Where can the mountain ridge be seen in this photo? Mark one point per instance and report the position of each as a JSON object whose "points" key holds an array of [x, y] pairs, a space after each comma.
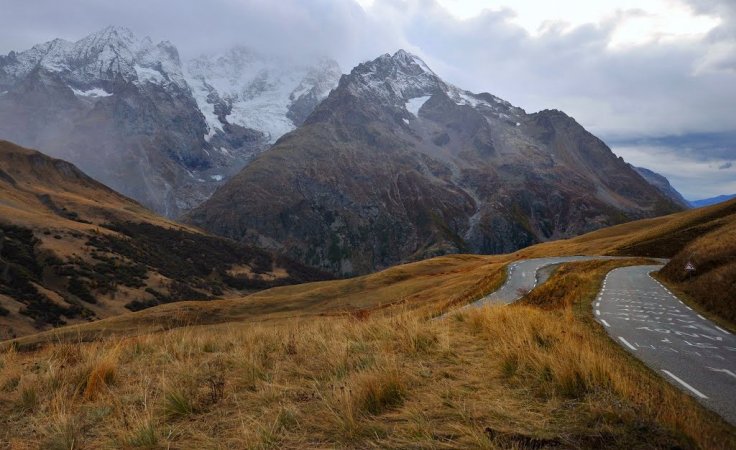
{"points": [[663, 184], [711, 200], [366, 183], [122, 108]]}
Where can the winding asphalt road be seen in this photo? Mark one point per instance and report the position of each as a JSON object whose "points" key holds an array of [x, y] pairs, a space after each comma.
{"points": [[646, 319], [523, 276], [691, 352]]}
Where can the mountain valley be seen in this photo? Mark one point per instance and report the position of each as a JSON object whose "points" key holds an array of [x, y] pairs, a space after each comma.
{"points": [[247, 248], [73, 250]]}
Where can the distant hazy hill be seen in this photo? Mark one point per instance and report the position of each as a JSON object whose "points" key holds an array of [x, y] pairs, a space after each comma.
{"points": [[711, 201]]}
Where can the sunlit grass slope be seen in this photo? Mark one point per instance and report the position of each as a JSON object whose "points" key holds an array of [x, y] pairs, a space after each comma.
{"points": [[507, 377]]}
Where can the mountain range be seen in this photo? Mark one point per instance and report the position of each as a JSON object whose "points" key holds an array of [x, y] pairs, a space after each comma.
{"points": [[388, 164], [397, 164], [132, 115], [711, 201]]}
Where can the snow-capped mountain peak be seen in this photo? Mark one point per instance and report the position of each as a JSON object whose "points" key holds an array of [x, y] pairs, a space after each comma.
{"points": [[404, 80], [412, 61], [398, 77], [111, 54], [120, 106]]}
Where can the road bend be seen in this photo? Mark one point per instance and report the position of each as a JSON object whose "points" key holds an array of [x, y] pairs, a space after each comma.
{"points": [[523, 276], [688, 350]]}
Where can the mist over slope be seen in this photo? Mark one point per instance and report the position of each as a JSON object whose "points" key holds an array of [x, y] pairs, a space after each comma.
{"points": [[132, 115]]}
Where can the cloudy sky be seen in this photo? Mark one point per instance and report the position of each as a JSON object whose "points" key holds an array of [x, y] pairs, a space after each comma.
{"points": [[656, 79]]}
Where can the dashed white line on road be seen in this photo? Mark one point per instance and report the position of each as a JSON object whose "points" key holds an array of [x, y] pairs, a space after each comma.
{"points": [[605, 323], [690, 388], [722, 330], [701, 317], [626, 343], [726, 371], [597, 312]]}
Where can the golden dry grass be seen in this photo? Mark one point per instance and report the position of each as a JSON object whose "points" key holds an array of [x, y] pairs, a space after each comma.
{"points": [[662, 236], [504, 377], [713, 285], [569, 292], [429, 287]]}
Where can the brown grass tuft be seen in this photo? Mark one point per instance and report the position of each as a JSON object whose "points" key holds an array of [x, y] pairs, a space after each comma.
{"points": [[379, 390], [101, 376]]}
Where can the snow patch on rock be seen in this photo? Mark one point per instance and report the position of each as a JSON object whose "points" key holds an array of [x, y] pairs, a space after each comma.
{"points": [[95, 92], [256, 90], [414, 104], [149, 75]]}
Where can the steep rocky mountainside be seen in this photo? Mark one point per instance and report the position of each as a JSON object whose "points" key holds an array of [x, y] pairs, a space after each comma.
{"points": [[123, 110], [664, 186], [396, 165], [73, 250]]}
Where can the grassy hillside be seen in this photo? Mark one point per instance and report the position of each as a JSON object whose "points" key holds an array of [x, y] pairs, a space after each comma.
{"points": [[72, 250], [507, 377], [432, 286], [427, 287], [713, 253], [347, 363]]}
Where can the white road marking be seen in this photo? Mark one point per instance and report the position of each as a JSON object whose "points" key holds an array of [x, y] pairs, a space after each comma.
{"points": [[597, 312], [626, 343], [605, 323], [724, 371], [692, 389], [701, 317], [722, 330]]}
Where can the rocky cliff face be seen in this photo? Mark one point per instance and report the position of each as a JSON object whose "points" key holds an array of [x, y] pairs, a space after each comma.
{"points": [[396, 164], [122, 109]]}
